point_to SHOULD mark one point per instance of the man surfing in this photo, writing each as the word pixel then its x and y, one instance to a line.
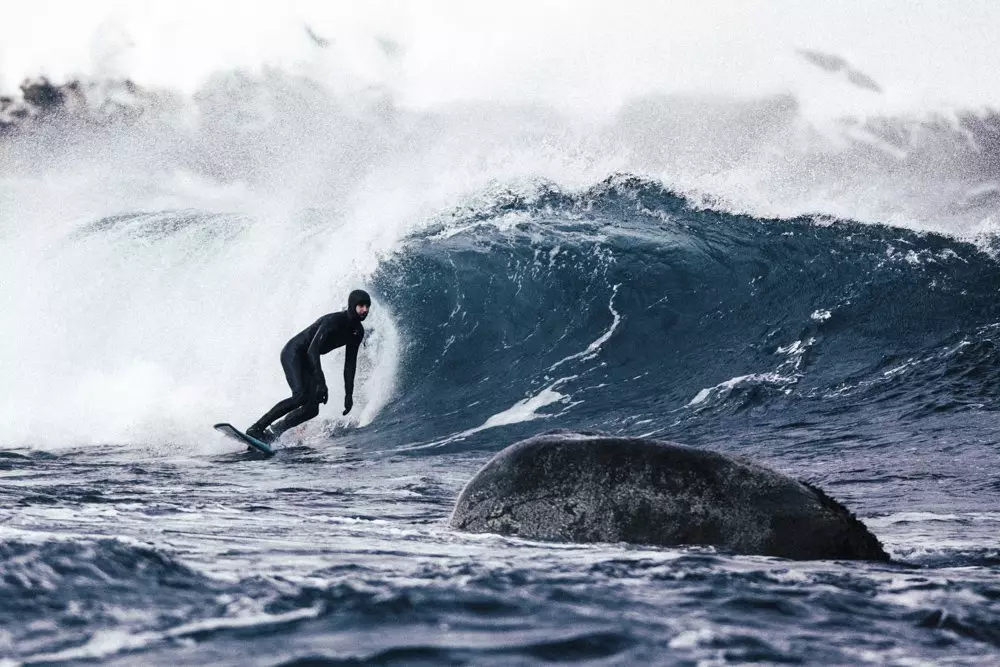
pixel 304 372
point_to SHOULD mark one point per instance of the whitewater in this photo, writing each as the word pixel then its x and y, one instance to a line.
pixel 766 229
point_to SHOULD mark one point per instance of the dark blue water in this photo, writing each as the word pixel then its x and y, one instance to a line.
pixel 862 358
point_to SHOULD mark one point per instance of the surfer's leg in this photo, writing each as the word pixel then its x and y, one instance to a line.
pixel 296 417
pixel 299 380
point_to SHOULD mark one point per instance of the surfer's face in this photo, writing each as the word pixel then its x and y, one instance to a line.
pixel 362 311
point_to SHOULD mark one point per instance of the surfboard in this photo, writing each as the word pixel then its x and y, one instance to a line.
pixel 236 434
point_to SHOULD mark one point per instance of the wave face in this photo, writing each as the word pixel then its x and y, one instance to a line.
pixel 625 308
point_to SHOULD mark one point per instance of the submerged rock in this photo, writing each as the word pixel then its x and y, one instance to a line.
pixel 571 487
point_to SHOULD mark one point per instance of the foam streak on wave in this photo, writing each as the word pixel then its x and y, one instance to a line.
pixel 594 347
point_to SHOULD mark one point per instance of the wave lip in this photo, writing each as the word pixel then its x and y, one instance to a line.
pixel 644 310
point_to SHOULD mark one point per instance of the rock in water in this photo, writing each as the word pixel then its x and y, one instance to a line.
pixel 572 487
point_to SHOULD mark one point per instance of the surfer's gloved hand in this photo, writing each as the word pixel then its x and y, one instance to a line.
pixel 348 404
pixel 321 394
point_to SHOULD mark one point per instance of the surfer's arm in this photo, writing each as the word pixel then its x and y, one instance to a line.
pixel 350 365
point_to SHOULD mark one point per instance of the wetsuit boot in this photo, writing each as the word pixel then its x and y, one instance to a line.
pixel 261 433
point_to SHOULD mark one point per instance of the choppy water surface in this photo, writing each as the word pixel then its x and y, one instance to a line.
pixel 347 559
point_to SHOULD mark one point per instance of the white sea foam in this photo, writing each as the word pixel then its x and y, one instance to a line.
pixel 820 315
pixel 723 388
pixel 527 409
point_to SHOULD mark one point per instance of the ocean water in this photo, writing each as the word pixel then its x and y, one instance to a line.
pixel 723 271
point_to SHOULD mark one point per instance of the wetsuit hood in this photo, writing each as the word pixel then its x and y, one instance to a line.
pixel 356 297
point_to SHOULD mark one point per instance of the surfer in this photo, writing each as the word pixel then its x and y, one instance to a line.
pixel 304 372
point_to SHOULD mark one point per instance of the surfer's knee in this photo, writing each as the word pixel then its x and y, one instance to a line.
pixel 302 399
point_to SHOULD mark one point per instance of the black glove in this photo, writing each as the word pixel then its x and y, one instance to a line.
pixel 348 404
pixel 321 394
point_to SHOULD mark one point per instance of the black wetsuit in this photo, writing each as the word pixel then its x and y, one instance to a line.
pixel 304 372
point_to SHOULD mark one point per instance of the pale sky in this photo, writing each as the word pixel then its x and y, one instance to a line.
pixel 925 54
